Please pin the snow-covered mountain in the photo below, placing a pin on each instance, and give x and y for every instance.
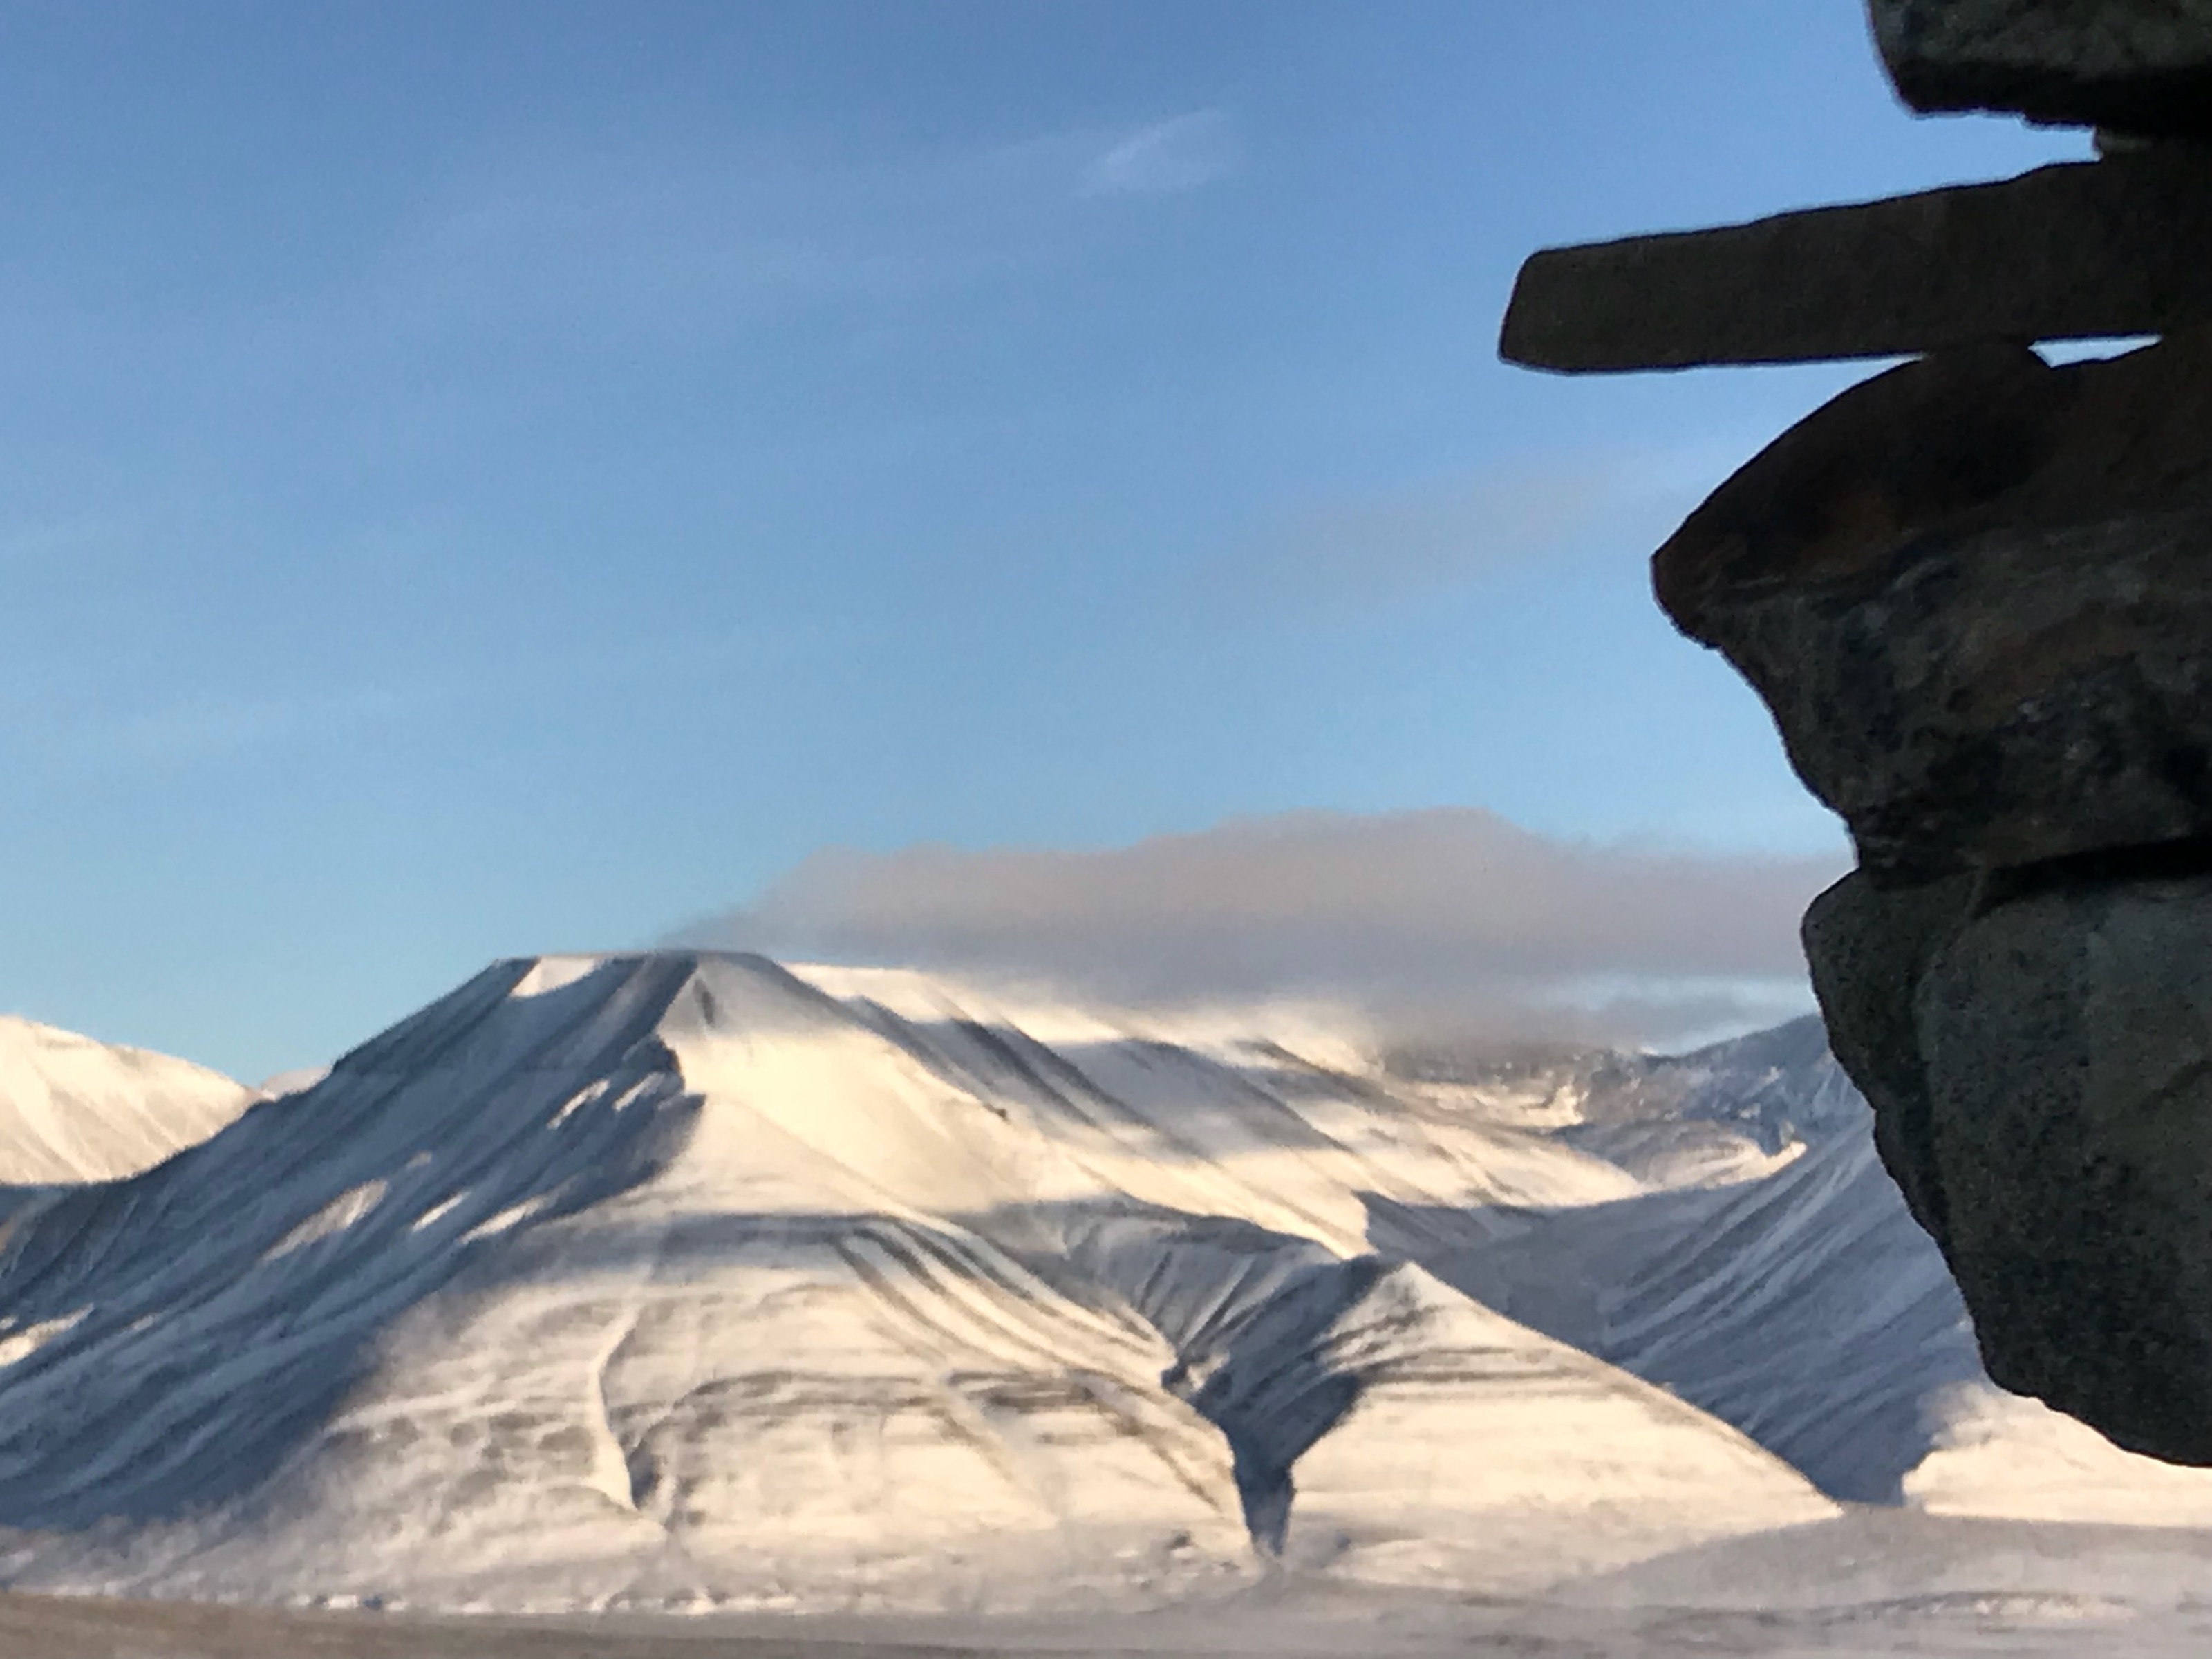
(685, 1280)
(676, 1279)
(1721, 1115)
(1770, 1275)
(74, 1109)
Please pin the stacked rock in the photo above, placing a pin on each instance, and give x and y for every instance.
(1976, 590)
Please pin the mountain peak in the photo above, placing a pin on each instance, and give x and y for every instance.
(671, 1276)
(72, 1109)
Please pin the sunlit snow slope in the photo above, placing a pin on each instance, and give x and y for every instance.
(1803, 1305)
(685, 1280)
(74, 1109)
(677, 1280)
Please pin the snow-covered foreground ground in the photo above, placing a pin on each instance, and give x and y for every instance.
(683, 1284)
(1874, 1582)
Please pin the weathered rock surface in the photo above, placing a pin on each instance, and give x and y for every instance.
(1868, 948)
(1977, 594)
(2068, 1041)
(2080, 251)
(2138, 65)
(2041, 1068)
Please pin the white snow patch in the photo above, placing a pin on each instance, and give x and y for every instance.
(17, 1344)
(553, 973)
(341, 1212)
(513, 1216)
(73, 1109)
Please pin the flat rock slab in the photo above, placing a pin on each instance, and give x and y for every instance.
(2080, 251)
(1977, 594)
(2142, 66)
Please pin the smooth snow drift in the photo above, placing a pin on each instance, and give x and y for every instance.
(74, 1109)
(685, 1281)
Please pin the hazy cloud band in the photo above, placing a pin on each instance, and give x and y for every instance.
(1449, 918)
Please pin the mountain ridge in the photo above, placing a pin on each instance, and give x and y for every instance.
(685, 1280)
(73, 1108)
(666, 1277)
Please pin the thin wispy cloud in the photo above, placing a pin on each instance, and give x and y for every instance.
(645, 241)
(646, 245)
(1180, 154)
(1447, 922)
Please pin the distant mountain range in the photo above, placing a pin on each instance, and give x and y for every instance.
(74, 1109)
(688, 1280)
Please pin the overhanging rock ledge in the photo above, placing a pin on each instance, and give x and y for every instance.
(1975, 591)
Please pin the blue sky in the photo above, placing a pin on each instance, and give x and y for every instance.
(485, 479)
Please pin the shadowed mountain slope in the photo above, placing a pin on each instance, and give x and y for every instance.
(674, 1280)
(688, 1281)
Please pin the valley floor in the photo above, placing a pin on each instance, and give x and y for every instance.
(1872, 1582)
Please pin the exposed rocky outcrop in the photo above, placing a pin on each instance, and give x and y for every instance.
(2041, 1065)
(2138, 65)
(2079, 251)
(1976, 590)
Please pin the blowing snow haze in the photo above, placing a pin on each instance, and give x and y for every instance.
(1443, 923)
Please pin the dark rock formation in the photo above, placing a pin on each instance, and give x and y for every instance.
(1977, 592)
(1869, 948)
(2082, 251)
(2140, 66)
(2039, 1058)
